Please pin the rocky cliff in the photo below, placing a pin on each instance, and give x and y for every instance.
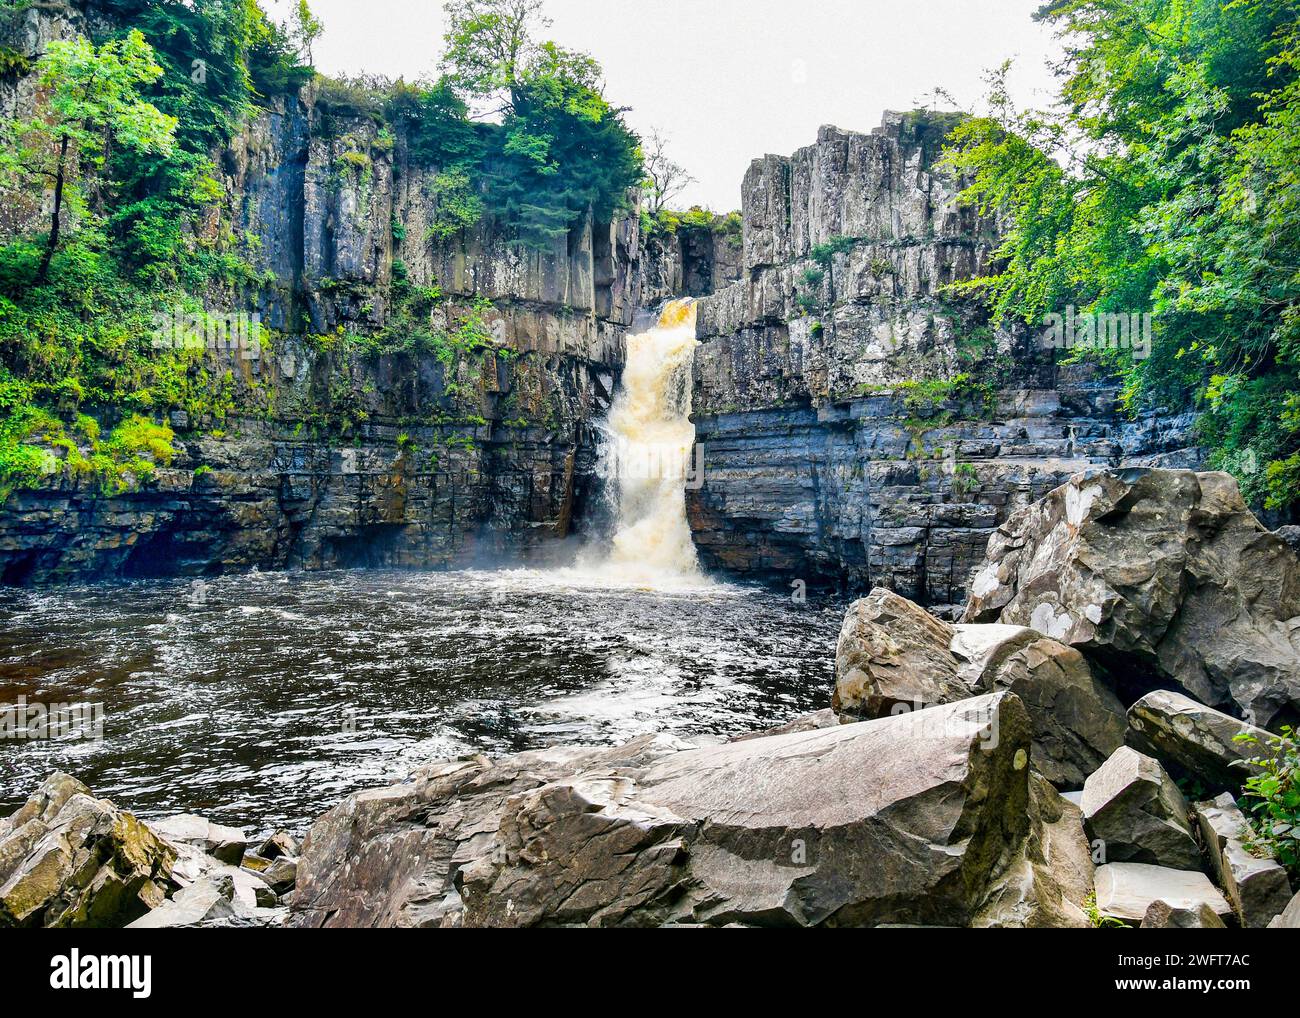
(859, 426)
(329, 450)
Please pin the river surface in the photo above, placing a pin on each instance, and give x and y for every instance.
(264, 699)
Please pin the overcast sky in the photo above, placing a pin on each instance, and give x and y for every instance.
(728, 80)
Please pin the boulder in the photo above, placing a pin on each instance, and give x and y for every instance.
(1050, 880)
(1132, 806)
(1161, 915)
(1126, 890)
(1258, 888)
(278, 844)
(224, 843)
(1192, 739)
(68, 859)
(1289, 919)
(282, 874)
(202, 901)
(1078, 722)
(892, 655)
(1163, 575)
(907, 819)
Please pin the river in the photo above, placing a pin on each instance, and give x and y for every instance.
(264, 699)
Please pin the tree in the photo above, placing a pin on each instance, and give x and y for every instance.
(1164, 181)
(665, 179)
(560, 150)
(305, 29)
(489, 46)
(91, 101)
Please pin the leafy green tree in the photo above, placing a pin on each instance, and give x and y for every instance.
(306, 28)
(1164, 181)
(92, 101)
(560, 149)
(489, 47)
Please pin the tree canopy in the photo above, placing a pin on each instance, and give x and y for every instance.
(1164, 181)
(558, 149)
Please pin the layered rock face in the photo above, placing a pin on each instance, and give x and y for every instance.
(858, 427)
(326, 455)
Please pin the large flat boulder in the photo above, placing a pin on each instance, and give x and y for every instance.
(892, 655)
(68, 859)
(1127, 890)
(1165, 576)
(907, 819)
(1132, 807)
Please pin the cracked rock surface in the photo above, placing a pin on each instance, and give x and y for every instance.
(912, 819)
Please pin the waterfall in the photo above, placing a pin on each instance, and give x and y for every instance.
(647, 455)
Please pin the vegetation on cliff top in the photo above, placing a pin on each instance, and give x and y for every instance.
(1165, 182)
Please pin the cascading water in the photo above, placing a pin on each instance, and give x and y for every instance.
(646, 458)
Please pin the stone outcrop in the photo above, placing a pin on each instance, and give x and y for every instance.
(911, 819)
(68, 859)
(1132, 807)
(1164, 574)
(1127, 890)
(859, 428)
(1193, 740)
(1256, 886)
(892, 655)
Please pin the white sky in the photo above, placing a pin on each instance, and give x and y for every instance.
(729, 80)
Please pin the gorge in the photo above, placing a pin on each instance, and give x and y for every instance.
(455, 551)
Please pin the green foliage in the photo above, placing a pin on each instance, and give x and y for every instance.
(1272, 799)
(924, 398)
(1180, 197)
(37, 445)
(456, 206)
(560, 148)
(139, 110)
(965, 479)
(1096, 919)
(824, 254)
(812, 278)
